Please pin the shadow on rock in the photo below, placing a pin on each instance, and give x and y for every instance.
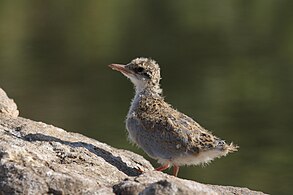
(107, 156)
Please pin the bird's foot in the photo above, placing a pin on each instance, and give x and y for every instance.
(163, 167)
(166, 166)
(175, 170)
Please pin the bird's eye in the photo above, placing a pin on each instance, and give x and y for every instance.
(139, 69)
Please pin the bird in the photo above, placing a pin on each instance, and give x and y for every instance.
(165, 134)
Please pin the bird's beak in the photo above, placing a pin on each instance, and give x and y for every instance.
(121, 68)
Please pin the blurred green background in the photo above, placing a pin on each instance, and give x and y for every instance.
(228, 64)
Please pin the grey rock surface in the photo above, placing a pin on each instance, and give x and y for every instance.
(7, 106)
(37, 158)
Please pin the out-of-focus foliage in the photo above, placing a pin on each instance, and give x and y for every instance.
(228, 64)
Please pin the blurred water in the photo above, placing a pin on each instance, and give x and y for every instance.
(228, 64)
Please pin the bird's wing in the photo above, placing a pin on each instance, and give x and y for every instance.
(175, 128)
(198, 136)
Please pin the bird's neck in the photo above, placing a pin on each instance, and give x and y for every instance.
(150, 89)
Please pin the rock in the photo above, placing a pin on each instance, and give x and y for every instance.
(37, 158)
(7, 106)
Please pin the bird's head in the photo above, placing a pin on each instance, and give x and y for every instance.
(143, 73)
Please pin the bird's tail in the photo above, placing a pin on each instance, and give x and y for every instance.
(229, 148)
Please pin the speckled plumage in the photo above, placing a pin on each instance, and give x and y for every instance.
(161, 131)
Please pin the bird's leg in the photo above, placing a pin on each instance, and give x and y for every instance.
(163, 167)
(175, 170)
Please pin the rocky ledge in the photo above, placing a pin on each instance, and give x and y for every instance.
(37, 158)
